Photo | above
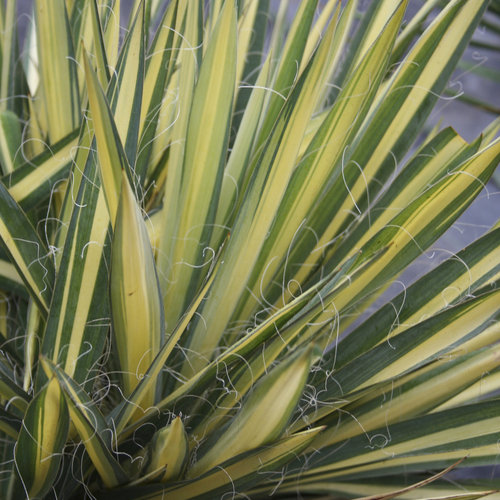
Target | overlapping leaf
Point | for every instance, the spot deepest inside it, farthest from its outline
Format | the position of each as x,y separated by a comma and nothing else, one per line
259,193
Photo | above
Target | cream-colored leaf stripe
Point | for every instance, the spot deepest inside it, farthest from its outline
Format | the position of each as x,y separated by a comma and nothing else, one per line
109,147
125,92
413,89
33,181
90,425
136,302
325,150
264,195
38,450
421,222
205,145
58,80
26,250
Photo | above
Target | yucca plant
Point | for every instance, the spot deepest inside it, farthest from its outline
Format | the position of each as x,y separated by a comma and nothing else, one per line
198,210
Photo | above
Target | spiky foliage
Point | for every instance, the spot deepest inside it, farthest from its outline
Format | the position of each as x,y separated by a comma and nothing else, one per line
194,225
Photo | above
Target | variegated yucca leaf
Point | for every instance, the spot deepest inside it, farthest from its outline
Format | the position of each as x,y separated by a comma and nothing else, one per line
167,453
136,304
205,146
255,425
90,426
59,100
203,207
38,456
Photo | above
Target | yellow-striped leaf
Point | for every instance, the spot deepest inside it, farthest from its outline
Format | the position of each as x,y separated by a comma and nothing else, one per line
167,452
416,393
414,347
257,213
26,251
41,440
320,164
183,87
122,413
90,425
125,92
455,279
12,81
159,70
136,302
255,424
79,302
205,145
10,141
58,78
32,182
390,127
241,472
112,159
432,441
102,66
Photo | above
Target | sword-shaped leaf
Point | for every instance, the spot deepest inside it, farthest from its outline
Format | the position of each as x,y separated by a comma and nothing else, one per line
441,155
205,145
372,23
285,74
241,472
122,413
79,312
99,49
159,70
125,93
416,393
26,251
10,141
32,182
320,164
183,89
390,127
251,20
90,425
418,225
111,13
431,441
58,78
235,171
415,346
41,440
456,278
75,331
112,159
255,425
293,325
290,320
258,209
136,302
116,114
12,80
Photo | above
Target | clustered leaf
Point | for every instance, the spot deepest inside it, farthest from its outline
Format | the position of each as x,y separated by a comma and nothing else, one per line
200,203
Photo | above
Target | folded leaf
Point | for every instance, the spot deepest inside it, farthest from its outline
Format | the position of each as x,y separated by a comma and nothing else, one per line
136,302
41,440
263,416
